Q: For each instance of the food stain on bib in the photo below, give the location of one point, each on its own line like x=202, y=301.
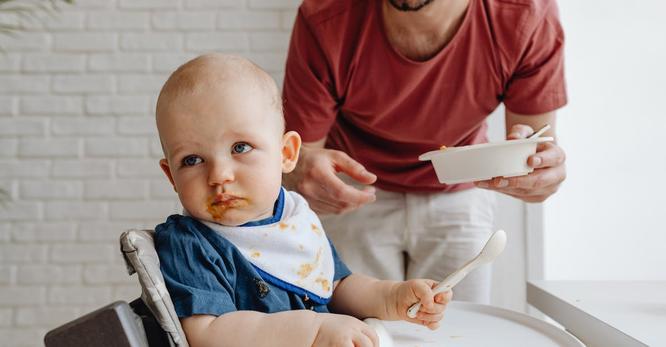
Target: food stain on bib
x=325, y=284
x=307, y=268
x=316, y=229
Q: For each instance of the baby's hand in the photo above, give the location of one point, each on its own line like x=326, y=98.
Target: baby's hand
x=432, y=308
x=343, y=330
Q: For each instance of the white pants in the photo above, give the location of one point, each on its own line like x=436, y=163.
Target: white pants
x=418, y=235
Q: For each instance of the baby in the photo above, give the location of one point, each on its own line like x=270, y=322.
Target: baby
x=248, y=263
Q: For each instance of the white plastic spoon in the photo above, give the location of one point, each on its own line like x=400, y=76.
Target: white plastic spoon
x=493, y=247
x=540, y=132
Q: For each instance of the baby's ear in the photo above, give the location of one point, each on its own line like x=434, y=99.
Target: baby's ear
x=164, y=164
x=291, y=146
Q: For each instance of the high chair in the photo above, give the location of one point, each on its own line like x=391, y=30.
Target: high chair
x=145, y=322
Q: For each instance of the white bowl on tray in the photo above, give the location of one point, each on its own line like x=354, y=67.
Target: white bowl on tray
x=483, y=161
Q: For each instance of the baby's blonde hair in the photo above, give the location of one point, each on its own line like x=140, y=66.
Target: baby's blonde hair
x=212, y=70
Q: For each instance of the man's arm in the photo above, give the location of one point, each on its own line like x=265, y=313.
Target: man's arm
x=310, y=108
x=548, y=161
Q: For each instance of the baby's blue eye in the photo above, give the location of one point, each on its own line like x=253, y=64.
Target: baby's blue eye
x=192, y=160
x=241, y=147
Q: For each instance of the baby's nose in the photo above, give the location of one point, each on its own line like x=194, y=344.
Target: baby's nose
x=220, y=175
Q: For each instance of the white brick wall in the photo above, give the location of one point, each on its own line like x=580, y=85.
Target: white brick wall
x=78, y=147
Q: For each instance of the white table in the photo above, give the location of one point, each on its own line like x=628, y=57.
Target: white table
x=605, y=313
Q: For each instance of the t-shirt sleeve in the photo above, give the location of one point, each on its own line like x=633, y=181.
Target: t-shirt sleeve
x=310, y=104
x=341, y=270
x=537, y=84
x=194, y=278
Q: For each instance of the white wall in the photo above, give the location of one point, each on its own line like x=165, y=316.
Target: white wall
x=78, y=148
x=609, y=219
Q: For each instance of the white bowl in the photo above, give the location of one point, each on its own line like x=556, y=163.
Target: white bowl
x=483, y=161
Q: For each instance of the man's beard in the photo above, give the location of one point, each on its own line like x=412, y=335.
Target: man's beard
x=403, y=5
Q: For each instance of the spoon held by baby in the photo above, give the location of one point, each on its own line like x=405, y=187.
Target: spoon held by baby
x=493, y=247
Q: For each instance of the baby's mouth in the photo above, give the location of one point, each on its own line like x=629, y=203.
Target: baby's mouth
x=224, y=199
x=218, y=204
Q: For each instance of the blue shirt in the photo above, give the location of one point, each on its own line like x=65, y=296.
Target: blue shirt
x=207, y=274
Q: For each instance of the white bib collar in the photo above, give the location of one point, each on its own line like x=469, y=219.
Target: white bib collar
x=290, y=251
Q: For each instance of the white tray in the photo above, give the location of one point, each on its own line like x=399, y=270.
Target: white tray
x=468, y=324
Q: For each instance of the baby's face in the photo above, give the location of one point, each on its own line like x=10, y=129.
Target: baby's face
x=223, y=153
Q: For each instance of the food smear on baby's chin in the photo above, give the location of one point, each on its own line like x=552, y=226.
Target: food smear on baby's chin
x=217, y=206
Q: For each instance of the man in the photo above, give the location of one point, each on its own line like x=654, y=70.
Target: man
x=370, y=85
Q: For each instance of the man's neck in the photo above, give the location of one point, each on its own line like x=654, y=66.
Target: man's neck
x=419, y=35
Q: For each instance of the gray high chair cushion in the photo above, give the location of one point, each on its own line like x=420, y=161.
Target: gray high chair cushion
x=138, y=247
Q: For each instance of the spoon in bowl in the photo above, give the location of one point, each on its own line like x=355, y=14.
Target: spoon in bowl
x=540, y=132
x=493, y=247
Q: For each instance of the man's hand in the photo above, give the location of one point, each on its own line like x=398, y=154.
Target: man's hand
x=315, y=178
x=549, y=171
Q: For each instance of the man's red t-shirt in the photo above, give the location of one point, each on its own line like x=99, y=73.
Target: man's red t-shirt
x=344, y=80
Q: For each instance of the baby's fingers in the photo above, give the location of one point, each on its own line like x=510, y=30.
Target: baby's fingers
x=371, y=334
x=440, y=302
x=427, y=318
x=434, y=309
x=444, y=298
x=423, y=291
x=438, y=306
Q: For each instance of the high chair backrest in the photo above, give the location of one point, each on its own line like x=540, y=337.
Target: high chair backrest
x=138, y=248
